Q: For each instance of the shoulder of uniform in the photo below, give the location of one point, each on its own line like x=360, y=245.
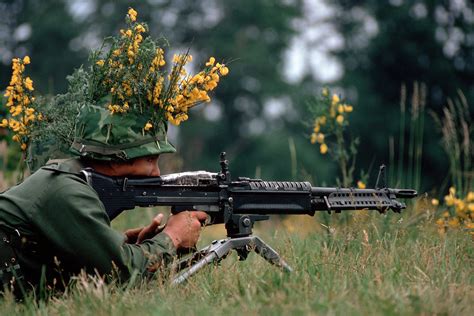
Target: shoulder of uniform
x=72, y=166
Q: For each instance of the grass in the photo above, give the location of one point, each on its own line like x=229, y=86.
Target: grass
x=358, y=269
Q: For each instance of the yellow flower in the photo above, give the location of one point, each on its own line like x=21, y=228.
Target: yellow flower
x=335, y=99
x=452, y=190
x=470, y=196
x=435, y=202
x=470, y=207
x=320, y=138
x=361, y=185
x=340, y=119
x=224, y=71
x=23, y=146
x=322, y=120
x=314, y=137
x=445, y=214
x=26, y=60
x=459, y=204
x=132, y=14
x=323, y=148
x=449, y=200
x=340, y=108
x=211, y=61
x=29, y=84
x=325, y=92
x=347, y=108
x=140, y=28
x=148, y=126
x=440, y=222
x=316, y=128
x=453, y=222
x=4, y=123
x=100, y=62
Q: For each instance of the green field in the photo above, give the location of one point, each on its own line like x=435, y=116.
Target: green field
x=395, y=264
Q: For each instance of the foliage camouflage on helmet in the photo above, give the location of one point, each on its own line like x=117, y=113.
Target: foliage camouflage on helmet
x=102, y=136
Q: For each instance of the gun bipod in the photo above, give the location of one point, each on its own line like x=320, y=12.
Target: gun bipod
x=242, y=243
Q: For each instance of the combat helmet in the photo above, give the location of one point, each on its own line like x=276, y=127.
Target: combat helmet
x=102, y=136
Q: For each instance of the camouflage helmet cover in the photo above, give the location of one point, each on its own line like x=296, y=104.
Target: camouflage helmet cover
x=101, y=135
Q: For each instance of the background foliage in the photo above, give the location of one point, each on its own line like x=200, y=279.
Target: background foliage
x=257, y=112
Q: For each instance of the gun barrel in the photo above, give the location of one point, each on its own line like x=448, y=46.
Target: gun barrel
x=405, y=193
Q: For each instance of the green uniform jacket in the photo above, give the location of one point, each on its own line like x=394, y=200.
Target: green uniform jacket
x=57, y=209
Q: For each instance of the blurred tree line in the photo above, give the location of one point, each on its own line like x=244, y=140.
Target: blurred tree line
x=257, y=114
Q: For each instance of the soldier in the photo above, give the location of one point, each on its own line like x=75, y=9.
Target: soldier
x=53, y=224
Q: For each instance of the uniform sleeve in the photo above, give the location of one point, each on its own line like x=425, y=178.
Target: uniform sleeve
x=74, y=221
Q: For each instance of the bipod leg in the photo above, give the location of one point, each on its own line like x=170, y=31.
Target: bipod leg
x=267, y=252
x=213, y=253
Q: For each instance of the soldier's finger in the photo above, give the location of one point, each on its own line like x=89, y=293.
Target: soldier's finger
x=157, y=221
x=151, y=229
x=199, y=215
x=132, y=234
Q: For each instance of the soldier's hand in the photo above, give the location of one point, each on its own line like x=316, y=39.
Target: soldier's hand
x=137, y=235
x=184, y=228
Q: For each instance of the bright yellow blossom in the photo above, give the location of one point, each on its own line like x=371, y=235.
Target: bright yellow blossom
x=320, y=138
x=452, y=190
x=314, y=138
x=435, y=202
x=361, y=185
x=453, y=222
x=26, y=60
x=449, y=200
x=140, y=28
x=29, y=84
x=470, y=197
x=148, y=126
x=132, y=14
x=340, y=119
x=323, y=148
x=211, y=61
x=224, y=71
x=335, y=99
x=347, y=108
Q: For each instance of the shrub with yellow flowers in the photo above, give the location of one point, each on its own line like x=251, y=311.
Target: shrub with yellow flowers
x=329, y=125
x=457, y=212
x=132, y=76
x=20, y=104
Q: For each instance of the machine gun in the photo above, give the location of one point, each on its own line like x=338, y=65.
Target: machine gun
x=238, y=204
